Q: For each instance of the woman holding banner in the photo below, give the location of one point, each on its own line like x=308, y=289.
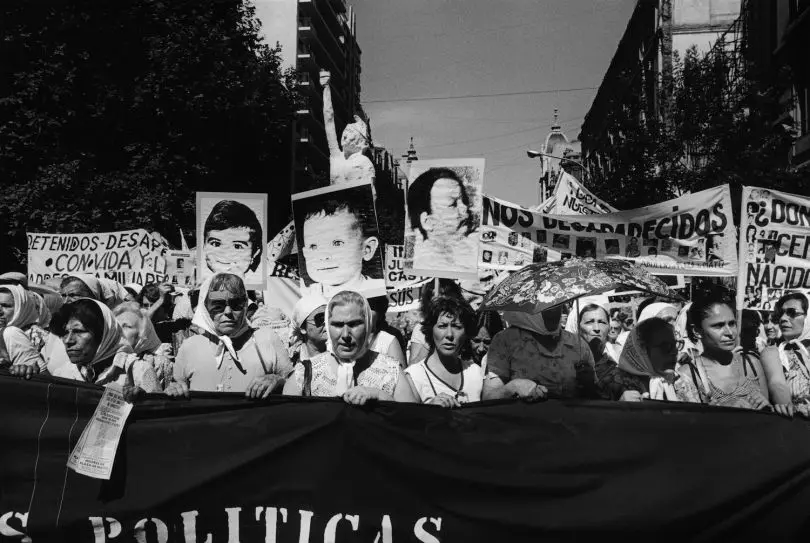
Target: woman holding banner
x=229, y=355
x=718, y=373
x=349, y=369
x=448, y=377
x=140, y=333
x=96, y=347
x=787, y=365
x=22, y=334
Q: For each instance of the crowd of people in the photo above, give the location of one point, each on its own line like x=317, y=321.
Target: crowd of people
x=150, y=339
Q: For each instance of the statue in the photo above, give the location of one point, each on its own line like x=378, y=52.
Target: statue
x=349, y=165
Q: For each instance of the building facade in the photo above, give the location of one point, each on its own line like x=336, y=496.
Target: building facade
x=323, y=35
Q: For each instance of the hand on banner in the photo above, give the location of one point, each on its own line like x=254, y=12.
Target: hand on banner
x=631, y=396
x=528, y=390
x=445, y=400
x=23, y=371
x=360, y=395
x=177, y=389
x=261, y=387
x=786, y=410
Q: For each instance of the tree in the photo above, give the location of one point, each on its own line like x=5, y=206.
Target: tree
x=112, y=115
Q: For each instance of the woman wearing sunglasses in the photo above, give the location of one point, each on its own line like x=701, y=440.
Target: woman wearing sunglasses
x=308, y=336
x=229, y=356
x=786, y=365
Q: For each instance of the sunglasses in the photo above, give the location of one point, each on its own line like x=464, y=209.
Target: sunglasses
x=218, y=306
x=791, y=313
x=318, y=320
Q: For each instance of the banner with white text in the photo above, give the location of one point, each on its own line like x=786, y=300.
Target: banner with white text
x=571, y=198
x=774, y=247
x=692, y=235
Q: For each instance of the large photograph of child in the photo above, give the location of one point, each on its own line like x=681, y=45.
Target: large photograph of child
x=338, y=239
x=230, y=236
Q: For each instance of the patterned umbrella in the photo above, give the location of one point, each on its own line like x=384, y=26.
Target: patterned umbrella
x=540, y=286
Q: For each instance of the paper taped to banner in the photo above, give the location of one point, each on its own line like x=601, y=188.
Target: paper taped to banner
x=181, y=268
x=571, y=198
x=690, y=235
x=129, y=256
x=775, y=247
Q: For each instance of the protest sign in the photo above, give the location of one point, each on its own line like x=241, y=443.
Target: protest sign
x=691, y=235
x=219, y=456
x=129, y=256
x=338, y=239
x=571, y=198
x=181, y=268
x=443, y=215
x=775, y=247
x=230, y=236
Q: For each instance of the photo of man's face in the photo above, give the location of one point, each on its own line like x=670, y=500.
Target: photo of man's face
x=449, y=216
x=334, y=248
x=228, y=250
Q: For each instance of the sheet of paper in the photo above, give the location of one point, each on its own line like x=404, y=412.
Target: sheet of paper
x=94, y=454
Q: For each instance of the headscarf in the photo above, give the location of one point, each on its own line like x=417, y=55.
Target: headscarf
x=304, y=308
x=136, y=288
x=653, y=310
x=26, y=311
x=148, y=340
x=572, y=323
x=105, y=290
x=17, y=277
x=345, y=374
x=797, y=344
x=51, y=298
x=636, y=360
x=203, y=319
x=532, y=322
x=43, y=313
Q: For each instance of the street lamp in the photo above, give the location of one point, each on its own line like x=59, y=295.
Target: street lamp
x=544, y=180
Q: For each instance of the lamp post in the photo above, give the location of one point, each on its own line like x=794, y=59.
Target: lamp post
x=544, y=180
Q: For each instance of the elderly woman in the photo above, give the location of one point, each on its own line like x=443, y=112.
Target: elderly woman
x=140, y=334
x=308, y=337
x=350, y=369
x=448, y=376
x=488, y=324
x=662, y=310
x=229, y=356
x=80, y=285
x=646, y=366
x=535, y=358
x=717, y=372
x=96, y=347
x=22, y=335
x=786, y=365
x=592, y=324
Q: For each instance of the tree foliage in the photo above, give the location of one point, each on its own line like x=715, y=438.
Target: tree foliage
x=112, y=115
x=717, y=125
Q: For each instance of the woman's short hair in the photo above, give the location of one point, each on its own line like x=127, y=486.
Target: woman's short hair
x=591, y=307
x=346, y=297
x=789, y=297
x=459, y=309
x=447, y=287
x=85, y=311
x=491, y=321
x=232, y=214
x=151, y=292
x=230, y=283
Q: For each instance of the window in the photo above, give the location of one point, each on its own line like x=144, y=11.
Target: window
x=304, y=22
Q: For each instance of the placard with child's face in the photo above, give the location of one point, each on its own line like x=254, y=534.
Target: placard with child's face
x=338, y=240
x=231, y=236
x=444, y=213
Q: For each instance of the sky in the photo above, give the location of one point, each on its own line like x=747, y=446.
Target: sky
x=413, y=49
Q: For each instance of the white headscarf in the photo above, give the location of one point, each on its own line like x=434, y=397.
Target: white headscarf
x=108, y=291
x=304, y=308
x=26, y=311
x=345, y=374
x=572, y=323
x=148, y=340
x=43, y=313
x=797, y=344
x=636, y=360
x=203, y=319
x=653, y=310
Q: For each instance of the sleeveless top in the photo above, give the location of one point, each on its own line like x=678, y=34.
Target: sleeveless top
x=429, y=385
x=382, y=374
x=746, y=393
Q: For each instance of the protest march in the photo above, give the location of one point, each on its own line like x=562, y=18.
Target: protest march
x=436, y=360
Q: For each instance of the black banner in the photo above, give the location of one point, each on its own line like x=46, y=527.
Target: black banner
x=309, y=470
